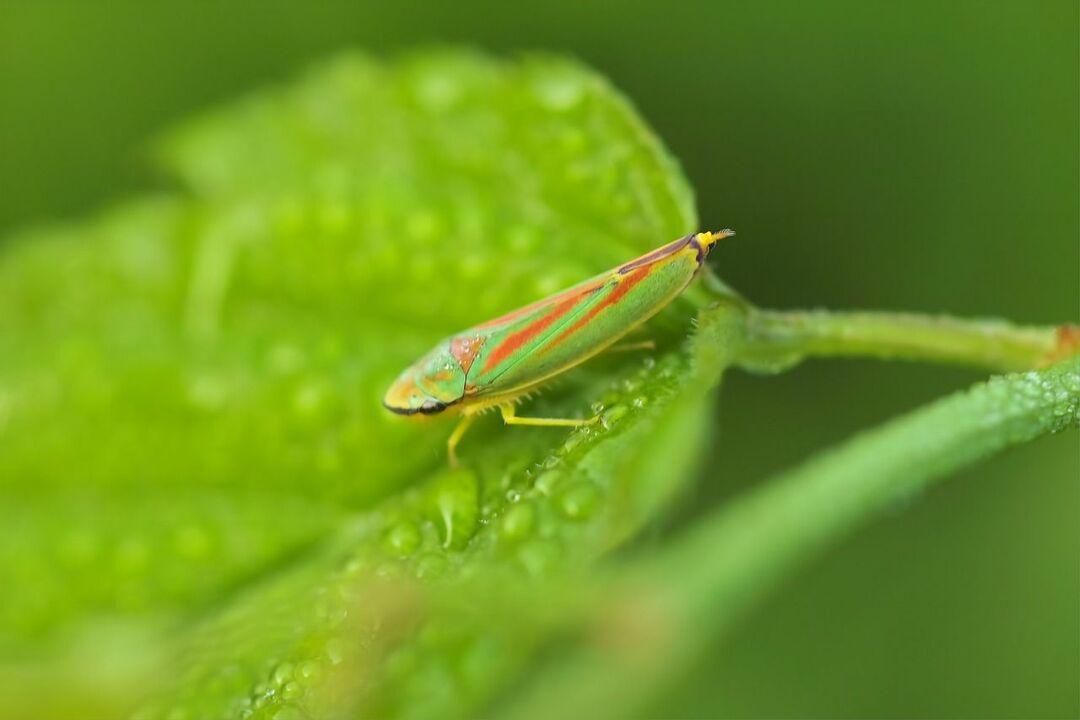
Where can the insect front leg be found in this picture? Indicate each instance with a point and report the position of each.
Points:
(455, 438)
(510, 418)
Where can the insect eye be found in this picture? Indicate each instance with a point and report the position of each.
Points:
(431, 406)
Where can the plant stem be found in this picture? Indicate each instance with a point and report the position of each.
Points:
(799, 512)
(777, 340)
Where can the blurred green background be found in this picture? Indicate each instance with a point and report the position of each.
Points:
(915, 156)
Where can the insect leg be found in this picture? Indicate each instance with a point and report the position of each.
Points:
(455, 438)
(624, 347)
(510, 418)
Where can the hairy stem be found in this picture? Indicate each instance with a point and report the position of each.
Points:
(805, 509)
(776, 340)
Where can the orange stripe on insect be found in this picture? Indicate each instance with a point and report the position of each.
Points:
(626, 284)
(507, 347)
(540, 304)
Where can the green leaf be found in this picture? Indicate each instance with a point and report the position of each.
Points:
(191, 434)
(206, 512)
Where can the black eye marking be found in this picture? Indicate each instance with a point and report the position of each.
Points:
(430, 406)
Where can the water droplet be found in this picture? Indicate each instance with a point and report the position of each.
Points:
(640, 401)
(292, 691)
(512, 496)
(262, 694)
(282, 673)
(572, 442)
(456, 507)
(517, 523)
(547, 482)
(307, 671)
(613, 415)
(335, 650)
(580, 501)
(402, 539)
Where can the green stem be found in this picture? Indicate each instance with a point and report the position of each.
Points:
(799, 512)
(776, 340)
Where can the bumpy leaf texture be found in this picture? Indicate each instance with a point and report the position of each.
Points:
(206, 511)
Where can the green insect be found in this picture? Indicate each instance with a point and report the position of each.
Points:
(498, 362)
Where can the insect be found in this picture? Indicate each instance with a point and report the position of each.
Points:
(497, 363)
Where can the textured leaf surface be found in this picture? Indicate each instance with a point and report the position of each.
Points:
(193, 455)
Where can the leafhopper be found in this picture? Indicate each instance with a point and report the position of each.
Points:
(497, 363)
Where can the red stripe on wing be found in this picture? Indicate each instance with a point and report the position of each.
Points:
(626, 284)
(586, 288)
(514, 341)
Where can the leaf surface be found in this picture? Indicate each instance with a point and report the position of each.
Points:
(193, 453)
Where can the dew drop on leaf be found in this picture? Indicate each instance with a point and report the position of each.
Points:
(580, 501)
(613, 414)
(402, 538)
(282, 673)
(517, 523)
(546, 482)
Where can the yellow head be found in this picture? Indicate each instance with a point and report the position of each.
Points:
(708, 239)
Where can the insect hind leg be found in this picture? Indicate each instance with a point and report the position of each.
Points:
(510, 417)
(631, 346)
